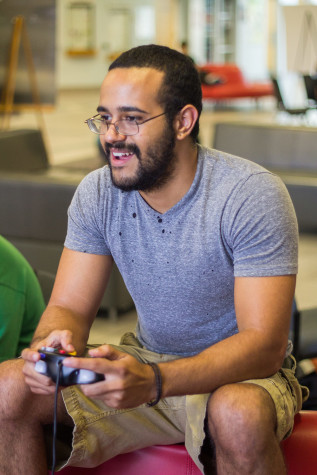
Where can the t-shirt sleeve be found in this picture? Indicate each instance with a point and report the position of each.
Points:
(260, 228)
(86, 214)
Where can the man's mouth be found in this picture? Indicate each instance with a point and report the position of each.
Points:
(121, 155)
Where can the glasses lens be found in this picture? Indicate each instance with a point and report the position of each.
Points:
(95, 125)
(124, 127)
(127, 127)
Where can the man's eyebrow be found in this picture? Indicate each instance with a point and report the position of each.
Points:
(123, 109)
(102, 109)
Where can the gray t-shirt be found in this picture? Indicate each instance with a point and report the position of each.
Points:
(236, 220)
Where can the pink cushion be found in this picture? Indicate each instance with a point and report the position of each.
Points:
(300, 451)
(156, 460)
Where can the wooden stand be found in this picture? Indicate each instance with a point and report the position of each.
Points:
(19, 34)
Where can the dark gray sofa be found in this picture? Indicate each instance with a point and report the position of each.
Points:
(290, 152)
(33, 216)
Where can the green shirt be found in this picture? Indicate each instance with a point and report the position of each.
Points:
(21, 301)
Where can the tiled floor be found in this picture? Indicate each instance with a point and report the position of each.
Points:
(68, 139)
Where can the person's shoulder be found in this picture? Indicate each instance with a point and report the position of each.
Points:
(8, 250)
(230, 161)
(97, 187)
(96, 182)
(230, 166)
(99, 175)
(11, 258)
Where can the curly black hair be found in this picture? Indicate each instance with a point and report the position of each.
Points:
(181, 84)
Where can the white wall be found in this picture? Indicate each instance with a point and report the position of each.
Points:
(116, 28)
(196, 30)
(252, 38)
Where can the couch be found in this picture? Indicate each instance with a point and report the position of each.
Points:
(290, 152)
(232, 84)
(33, 210)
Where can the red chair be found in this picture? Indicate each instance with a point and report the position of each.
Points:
(232, 84)
(300, 451)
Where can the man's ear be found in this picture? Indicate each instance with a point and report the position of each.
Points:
(185, 121)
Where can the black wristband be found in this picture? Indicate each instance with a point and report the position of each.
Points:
(158, 382)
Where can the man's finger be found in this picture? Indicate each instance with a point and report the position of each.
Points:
(106, 351)
(30, 355)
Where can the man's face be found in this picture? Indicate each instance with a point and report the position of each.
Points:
(144, 161)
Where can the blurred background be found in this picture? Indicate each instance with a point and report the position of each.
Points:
(258, 64)
(73, 42)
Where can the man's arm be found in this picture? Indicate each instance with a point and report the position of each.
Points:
(79, 286)
(263, 310)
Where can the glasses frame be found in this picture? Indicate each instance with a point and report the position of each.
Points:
(108, 124)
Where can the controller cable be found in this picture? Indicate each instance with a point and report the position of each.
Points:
(59, 371)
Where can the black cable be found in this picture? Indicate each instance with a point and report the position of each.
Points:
(59, 370)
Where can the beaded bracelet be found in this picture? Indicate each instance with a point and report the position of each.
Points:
(158, 382)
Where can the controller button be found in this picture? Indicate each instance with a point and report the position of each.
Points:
(86, 376)
(40, 367)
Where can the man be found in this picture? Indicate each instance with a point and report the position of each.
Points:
(207, 245)
(21, 301)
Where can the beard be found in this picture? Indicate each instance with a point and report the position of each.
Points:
(155, 165)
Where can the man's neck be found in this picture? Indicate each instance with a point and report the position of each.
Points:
(168, 195)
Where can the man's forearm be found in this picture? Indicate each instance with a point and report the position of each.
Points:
(246, 355)
(60, 318)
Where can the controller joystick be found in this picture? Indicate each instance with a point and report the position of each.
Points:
(51, 362)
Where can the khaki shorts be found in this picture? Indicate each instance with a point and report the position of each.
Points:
(101, 432)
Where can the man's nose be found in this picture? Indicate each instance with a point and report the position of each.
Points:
(112, 135)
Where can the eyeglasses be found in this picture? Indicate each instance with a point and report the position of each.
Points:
(99, 125)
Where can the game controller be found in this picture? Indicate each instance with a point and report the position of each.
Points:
(51, 362)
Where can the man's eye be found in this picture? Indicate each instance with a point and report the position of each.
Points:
(132, 118)
(105, 118)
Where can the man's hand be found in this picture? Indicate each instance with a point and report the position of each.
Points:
(128, 383)
(39, 383)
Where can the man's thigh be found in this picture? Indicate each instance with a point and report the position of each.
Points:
(101, 432)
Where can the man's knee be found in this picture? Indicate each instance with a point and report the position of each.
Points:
(16, 399)
(17, 402)
(241, 413)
